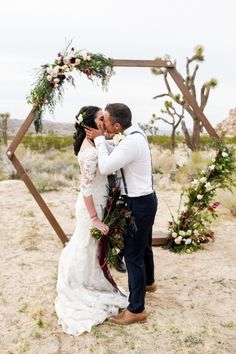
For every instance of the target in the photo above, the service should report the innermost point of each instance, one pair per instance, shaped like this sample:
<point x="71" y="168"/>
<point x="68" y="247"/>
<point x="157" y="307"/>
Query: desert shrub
<point x="162" y="163"/>
<point x="43" y="143"/>
<point x="46" y="182"/>
<point x="227" y="198"/>
<point x="230" y="139"/>
<point x="164" y="141"/>
<point x="196" y="162"/>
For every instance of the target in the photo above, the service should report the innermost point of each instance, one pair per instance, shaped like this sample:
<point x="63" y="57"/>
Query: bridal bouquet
<point x="119" y="219"/>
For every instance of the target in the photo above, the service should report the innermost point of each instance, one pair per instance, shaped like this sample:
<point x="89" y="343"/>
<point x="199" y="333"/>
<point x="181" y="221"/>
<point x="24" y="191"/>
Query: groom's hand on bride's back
<point x="93" y="133"/>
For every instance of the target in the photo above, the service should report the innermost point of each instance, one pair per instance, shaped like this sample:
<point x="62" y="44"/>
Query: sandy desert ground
<point x="193" y="311"/>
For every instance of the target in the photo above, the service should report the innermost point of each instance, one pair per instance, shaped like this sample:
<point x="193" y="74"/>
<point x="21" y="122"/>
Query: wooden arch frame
<point x="178" y="79"/>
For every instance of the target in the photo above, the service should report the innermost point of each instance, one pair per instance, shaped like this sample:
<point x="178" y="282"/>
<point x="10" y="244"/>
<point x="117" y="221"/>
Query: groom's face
<point x="109" y="125"/>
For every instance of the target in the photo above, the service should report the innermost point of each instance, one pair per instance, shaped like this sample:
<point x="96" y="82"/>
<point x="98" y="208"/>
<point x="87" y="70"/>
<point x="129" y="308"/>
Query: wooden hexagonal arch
<point x="178" y="79"/>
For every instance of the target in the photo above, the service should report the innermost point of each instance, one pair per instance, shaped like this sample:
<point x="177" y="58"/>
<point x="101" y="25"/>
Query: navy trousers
<point x="138" y="250"/>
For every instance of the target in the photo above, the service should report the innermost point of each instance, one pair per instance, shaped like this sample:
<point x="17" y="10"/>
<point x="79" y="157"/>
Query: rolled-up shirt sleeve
<point x="122" y="155"/>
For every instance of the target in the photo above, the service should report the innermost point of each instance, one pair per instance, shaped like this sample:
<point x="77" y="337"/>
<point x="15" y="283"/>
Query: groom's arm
<point x="121" y="156"/>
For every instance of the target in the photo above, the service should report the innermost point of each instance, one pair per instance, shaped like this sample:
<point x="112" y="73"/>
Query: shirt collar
<point x="131" y="129"/>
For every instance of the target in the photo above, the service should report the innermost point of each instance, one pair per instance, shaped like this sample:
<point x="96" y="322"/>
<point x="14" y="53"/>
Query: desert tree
<point x="3" y="125"/>
<point x="149" y="128"/>
<point x="192" y="139"/>
<point x="172" y="118"/>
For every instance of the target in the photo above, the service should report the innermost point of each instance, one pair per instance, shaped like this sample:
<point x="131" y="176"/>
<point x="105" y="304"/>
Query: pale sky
<point x="33" y="32"/>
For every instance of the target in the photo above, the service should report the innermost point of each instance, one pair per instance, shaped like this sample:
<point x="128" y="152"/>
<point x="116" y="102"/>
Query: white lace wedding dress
<point x="84" y="296"/>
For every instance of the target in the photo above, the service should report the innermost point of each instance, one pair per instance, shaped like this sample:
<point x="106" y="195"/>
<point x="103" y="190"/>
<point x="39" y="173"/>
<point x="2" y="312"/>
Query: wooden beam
<point x="142" y="63"/>
<point x="20" y="134"/>
<point x="23" y="175"/>
<point x="178" y="79"/>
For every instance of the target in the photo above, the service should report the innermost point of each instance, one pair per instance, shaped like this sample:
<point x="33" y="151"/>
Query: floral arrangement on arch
<point x="48" y="89"/>
<point x="193" y="224"/>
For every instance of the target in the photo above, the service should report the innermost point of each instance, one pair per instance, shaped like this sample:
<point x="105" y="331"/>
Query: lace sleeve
<point x="88" y="166"/>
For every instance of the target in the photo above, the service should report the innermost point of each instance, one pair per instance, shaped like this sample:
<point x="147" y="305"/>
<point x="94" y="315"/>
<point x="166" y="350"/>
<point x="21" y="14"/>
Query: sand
<point x="193" y="310"/>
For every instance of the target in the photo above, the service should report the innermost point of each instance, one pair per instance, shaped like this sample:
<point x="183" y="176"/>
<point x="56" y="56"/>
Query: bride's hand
<point x="98" y="224"/>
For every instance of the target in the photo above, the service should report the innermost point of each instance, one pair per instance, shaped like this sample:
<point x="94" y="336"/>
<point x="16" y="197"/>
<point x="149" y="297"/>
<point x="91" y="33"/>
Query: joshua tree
<point x="192" y="140"/>
<point x="3" y="126"/>
<point x="149" y="128"/>
<point x="173" y="119"/>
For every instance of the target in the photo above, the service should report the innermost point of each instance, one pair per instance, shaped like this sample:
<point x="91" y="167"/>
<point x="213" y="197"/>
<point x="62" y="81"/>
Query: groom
<point x="132" y="155"/>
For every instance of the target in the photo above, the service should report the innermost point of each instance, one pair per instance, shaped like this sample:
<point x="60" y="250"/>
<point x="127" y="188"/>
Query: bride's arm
<point x="88" y="168"/>
<point x="97" y="223"/>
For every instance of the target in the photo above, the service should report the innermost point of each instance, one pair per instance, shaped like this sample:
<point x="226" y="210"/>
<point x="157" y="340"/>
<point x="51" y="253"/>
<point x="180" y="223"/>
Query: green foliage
<point x="198" y="53"/>
<point x="49" y="86"/>
<point x="41" y="143"/>
<point x="206" y="142"/>
<point x="192" y="227"/>
<point x="164" y="141"/>
<point x="160" y="71"/>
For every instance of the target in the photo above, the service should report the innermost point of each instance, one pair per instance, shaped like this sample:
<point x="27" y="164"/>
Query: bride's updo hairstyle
<point x="86" y="116"/>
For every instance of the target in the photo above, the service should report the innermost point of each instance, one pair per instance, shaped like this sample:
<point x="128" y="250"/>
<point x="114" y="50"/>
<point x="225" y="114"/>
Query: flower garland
<point x="48" y="89"/>
<point x="193" y="225"/>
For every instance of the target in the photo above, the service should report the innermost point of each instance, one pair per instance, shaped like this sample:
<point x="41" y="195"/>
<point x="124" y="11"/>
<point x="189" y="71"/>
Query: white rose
<point x="115" y="251"/>
<point x="208" y="186"/>
<point x="49" y="69"/>
<point x="187" y="241"/>
<point x="203" y="179"/>
<point x="54" y="72"/>
<point x="196" y="233"/>
<point x="56" y="85"/>
<point x="174" y="234"/>
<point x="77" y="61"/>
<point x="182" y="233"/>
<point x="177" y="222"/>
<point x="65" y="67"/>
<point x="212" y="167"/>
<point x="194" y="182"/>
<point x="88" y="57"/>
<point x="49" y="77"/>
<point x="66" y="60"/>
<point x="56" y="81"/>
<point x="117" y="138"/>
<point x="199" y="197"/>
<point x="84" y="54"/>
<point x="79" y="119"/>
<point x="224" y="154"/>
<point x="189" y="232"/>
<point x="178" y="240"/>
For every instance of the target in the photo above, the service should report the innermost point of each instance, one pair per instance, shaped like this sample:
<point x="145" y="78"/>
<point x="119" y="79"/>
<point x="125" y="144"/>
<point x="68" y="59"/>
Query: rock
<point x="228" y="125"/>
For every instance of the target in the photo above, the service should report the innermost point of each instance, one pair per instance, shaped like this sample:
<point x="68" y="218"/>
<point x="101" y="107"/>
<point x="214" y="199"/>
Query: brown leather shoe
<point x="127" y="317"/>
<point x="120" y="315"/>
<point x="151" y="288"/>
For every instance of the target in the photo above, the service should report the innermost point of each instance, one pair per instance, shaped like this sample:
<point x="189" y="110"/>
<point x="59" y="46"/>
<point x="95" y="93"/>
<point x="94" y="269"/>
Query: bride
<point x="84" y="296"/>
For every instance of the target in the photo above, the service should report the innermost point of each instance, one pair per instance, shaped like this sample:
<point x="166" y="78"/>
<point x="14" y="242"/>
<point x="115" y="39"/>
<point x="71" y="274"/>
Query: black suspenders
<point x="121" y="170"/>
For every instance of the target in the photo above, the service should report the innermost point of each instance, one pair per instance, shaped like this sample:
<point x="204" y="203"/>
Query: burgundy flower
<point x="210" y="235"/>
<point x="87" y="72"/>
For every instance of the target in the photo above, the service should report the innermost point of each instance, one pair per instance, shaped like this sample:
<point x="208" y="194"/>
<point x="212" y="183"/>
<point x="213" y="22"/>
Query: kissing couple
<point x="85" y="297"/>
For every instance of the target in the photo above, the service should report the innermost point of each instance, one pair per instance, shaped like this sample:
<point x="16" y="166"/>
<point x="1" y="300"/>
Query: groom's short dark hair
<point x="120" y="113"/>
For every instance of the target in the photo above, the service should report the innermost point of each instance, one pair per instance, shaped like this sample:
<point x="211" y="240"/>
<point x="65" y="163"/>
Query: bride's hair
<point x="86" y="116"/>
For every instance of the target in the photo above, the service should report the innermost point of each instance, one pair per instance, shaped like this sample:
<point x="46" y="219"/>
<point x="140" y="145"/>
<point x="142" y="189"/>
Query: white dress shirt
<point x="133" y="155"/>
